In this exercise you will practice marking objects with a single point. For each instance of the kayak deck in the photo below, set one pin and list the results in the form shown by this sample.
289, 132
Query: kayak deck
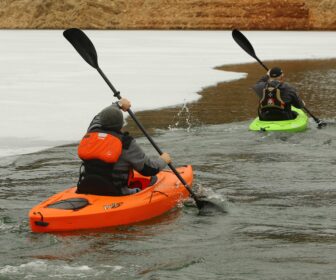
68, 211
300, 123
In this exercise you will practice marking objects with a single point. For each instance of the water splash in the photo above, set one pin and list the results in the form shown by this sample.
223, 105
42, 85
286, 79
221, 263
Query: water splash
183, 119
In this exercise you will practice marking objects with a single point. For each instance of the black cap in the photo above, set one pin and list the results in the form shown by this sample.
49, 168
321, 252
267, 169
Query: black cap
275, 72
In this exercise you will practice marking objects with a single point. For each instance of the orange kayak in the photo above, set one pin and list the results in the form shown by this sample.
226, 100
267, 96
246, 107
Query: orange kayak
69, 211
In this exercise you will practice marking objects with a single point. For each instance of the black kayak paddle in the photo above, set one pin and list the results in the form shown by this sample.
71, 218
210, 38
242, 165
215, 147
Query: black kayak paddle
86, 49
245, 44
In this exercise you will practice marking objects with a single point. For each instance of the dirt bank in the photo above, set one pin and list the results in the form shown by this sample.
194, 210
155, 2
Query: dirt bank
169, 14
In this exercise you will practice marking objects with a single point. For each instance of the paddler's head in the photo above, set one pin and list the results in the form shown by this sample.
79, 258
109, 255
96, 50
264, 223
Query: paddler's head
111, 118
276, 73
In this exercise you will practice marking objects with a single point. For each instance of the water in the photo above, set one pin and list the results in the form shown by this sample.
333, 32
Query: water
278, 189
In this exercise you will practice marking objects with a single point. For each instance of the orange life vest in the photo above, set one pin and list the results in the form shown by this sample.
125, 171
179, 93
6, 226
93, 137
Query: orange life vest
102, 146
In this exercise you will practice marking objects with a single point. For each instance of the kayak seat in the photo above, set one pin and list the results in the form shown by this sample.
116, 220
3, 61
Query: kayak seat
142, 182
277, 115
97, 185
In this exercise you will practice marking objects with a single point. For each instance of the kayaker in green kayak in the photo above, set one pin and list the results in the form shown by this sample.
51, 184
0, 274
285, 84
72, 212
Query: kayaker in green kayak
110, 155
276, 97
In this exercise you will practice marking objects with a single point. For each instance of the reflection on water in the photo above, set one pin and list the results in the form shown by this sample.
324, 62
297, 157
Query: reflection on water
278, 188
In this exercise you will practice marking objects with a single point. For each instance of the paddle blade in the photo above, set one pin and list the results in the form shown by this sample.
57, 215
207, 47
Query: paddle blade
243, 42
321, 124
83, 45
207, 207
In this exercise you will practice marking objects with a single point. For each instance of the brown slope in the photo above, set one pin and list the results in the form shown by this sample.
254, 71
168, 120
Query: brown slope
169, 14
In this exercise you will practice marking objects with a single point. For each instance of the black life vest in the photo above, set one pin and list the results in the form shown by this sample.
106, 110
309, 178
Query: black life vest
272, 98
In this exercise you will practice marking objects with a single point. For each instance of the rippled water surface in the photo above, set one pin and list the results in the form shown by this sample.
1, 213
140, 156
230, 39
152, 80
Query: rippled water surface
278, 188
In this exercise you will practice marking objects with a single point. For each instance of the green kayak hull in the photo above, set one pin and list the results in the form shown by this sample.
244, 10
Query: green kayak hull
300, 123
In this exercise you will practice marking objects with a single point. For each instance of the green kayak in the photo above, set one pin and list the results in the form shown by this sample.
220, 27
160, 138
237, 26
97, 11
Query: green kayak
300, 123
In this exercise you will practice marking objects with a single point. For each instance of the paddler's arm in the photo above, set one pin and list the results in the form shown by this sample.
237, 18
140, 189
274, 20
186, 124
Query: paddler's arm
296, 100
145, 165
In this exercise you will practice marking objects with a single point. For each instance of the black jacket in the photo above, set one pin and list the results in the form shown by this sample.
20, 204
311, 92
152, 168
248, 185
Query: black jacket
288, 95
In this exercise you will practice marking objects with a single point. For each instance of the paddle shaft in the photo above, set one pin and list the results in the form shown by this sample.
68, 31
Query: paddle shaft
262, 64
318, 121
130, 112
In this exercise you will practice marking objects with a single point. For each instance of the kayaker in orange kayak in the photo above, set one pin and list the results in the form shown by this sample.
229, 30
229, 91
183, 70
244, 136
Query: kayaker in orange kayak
110, 155
276, 97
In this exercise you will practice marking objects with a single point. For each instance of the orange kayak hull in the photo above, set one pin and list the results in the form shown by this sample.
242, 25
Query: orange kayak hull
110, 211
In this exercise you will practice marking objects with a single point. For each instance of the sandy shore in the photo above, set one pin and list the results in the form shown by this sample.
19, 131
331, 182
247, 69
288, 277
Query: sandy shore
235, 101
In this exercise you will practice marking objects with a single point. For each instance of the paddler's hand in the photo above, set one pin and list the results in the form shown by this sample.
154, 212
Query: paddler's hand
166, 158
124, 104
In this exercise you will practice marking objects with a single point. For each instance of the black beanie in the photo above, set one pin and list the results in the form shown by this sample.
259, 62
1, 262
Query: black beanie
275, 72
111, 118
